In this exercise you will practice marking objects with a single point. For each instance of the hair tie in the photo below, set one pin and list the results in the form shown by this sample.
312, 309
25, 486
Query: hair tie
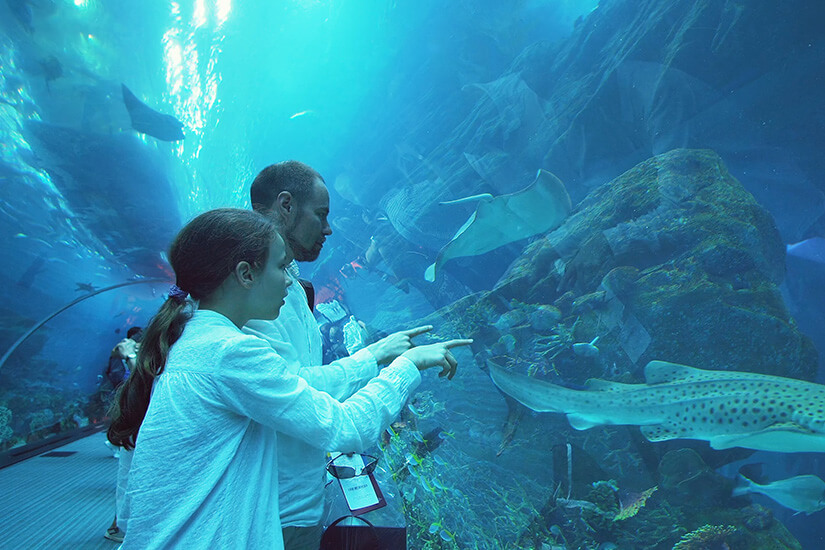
178, 294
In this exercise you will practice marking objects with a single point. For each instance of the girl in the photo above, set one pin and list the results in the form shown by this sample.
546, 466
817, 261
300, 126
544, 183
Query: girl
202, 475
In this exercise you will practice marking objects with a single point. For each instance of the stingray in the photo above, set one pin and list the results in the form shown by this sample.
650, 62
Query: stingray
497, 221
150, 122
726, 409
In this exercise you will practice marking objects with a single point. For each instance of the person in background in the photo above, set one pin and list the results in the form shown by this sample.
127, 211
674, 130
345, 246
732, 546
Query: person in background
206, 404
295, 195
121, 363
122, 358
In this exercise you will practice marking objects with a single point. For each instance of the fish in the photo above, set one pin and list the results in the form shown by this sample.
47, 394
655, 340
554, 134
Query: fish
150, 122
538, 208
805, 493
812, 249
302, 113
85, 287
726, 409
36, 267
52, 69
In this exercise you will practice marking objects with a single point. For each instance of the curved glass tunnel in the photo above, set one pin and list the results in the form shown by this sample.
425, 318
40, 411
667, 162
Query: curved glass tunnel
643, 188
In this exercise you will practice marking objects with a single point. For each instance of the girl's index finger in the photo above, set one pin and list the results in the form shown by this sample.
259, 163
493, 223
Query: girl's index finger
458, 342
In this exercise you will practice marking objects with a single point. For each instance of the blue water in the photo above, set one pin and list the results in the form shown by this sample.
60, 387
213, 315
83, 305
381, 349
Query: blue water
400, 106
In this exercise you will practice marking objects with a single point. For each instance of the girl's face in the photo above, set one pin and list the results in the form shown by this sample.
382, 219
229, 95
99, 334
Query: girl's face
273, 282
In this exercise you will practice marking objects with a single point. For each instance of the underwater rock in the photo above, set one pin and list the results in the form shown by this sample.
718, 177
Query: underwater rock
704, 292
586, 349
510, 320
544, 317
650, 300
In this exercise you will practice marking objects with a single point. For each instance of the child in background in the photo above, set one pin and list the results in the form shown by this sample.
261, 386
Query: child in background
206, 441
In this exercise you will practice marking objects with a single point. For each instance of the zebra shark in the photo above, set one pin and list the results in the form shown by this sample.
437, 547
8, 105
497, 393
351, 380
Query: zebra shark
727, 409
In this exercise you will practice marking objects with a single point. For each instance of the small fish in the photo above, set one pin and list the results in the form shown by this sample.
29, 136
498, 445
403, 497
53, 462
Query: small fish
804, 493
413, 410
412, 459
425, 484
300, 114
440, 461
418, 437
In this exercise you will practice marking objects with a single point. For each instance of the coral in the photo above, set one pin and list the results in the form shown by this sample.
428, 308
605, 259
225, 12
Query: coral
5, 424
41, 419
707, 537
757, 517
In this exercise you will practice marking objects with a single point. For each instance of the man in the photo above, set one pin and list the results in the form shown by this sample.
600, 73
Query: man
296, 195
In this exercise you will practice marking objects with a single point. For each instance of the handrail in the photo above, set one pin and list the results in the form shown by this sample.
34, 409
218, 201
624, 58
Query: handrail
42, 322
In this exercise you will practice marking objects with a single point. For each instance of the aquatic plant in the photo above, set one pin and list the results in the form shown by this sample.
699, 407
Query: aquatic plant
707, 537
448, 505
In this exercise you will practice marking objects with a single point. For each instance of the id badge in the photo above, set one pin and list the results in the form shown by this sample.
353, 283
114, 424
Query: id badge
361, 492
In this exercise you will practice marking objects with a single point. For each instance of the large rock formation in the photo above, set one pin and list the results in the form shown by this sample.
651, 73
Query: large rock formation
673, 260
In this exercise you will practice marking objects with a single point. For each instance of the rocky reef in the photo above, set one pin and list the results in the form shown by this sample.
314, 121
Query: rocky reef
674, 260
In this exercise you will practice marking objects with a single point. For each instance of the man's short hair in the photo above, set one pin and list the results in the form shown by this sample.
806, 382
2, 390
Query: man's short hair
291, 175
132, 331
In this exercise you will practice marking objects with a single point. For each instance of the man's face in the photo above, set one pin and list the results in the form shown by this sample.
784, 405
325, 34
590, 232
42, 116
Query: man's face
309, 230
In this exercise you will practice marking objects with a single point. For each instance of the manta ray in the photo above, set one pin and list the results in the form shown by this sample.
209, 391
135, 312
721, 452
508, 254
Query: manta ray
727, 409
536, 209
150, 122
